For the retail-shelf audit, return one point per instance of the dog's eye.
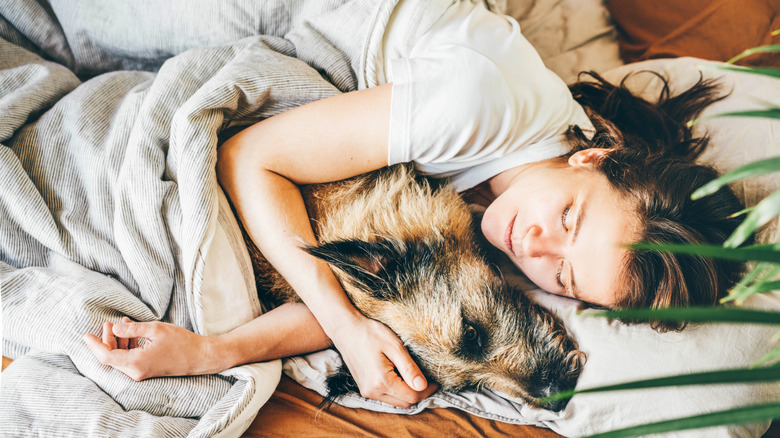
(471, 335)
(472, 341)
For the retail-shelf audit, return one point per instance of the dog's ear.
(368, 265)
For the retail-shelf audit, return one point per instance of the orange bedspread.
(293, 411)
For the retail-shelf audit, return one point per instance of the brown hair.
(651, 162)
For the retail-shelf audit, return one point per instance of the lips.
(508, 235)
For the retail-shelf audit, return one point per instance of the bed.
(110, 207)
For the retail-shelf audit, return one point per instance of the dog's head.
(455, 314)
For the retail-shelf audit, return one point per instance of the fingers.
(129, 343)
(104, 353)
(394, 391)
(131, 329)
(393, 387)
(123, 342)
(406, 384)
(383, 368)
(98, 348)
(108, 335)
(118, 337)
(122, 360)
(398, 389)
(407, 369)
(112, 335)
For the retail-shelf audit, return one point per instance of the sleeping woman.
(569, 175)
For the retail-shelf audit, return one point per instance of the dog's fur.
(407, 256)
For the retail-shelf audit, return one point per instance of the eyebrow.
(577, 227)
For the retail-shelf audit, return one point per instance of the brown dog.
(407, 256)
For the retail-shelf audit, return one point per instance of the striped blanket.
(110, 205)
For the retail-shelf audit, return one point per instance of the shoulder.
(472, 48)
(451, 90)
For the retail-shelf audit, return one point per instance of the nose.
(536, 243)
(555, 388)
(557, 405)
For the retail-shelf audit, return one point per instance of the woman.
(498, 128)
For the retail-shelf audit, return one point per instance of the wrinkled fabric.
(110, 203)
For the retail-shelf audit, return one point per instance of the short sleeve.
(448, 107)
(472, 98)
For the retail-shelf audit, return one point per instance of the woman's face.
(564, 226)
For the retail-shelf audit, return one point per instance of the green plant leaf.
(760, 287)
(773, 354)
(759, 49)
(742, 212)
(749, 170)
(739, 291)
(757, 253)
(717, 314)
(763, 71)
(762, 213)
(738, 375)
(763, 285)
(771, 113)
(742, 415)
(768, 286)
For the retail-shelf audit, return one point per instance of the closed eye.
(564, 216)
(558, 276)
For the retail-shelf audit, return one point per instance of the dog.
(407, 255)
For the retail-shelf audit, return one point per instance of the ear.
(588, 157)
(366, 264)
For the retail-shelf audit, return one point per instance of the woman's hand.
(169, 350)
(380, 364)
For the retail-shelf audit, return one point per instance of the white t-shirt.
(471, 96)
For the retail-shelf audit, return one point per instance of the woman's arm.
(260, 168)
(170, 350)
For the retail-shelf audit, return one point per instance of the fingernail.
(419, 383)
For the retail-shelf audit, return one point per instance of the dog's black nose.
(555, 388)
(557, 405)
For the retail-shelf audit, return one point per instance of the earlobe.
(588, 156)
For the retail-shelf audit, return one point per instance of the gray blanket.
(109, 197)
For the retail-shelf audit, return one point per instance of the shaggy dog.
(407, 255)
